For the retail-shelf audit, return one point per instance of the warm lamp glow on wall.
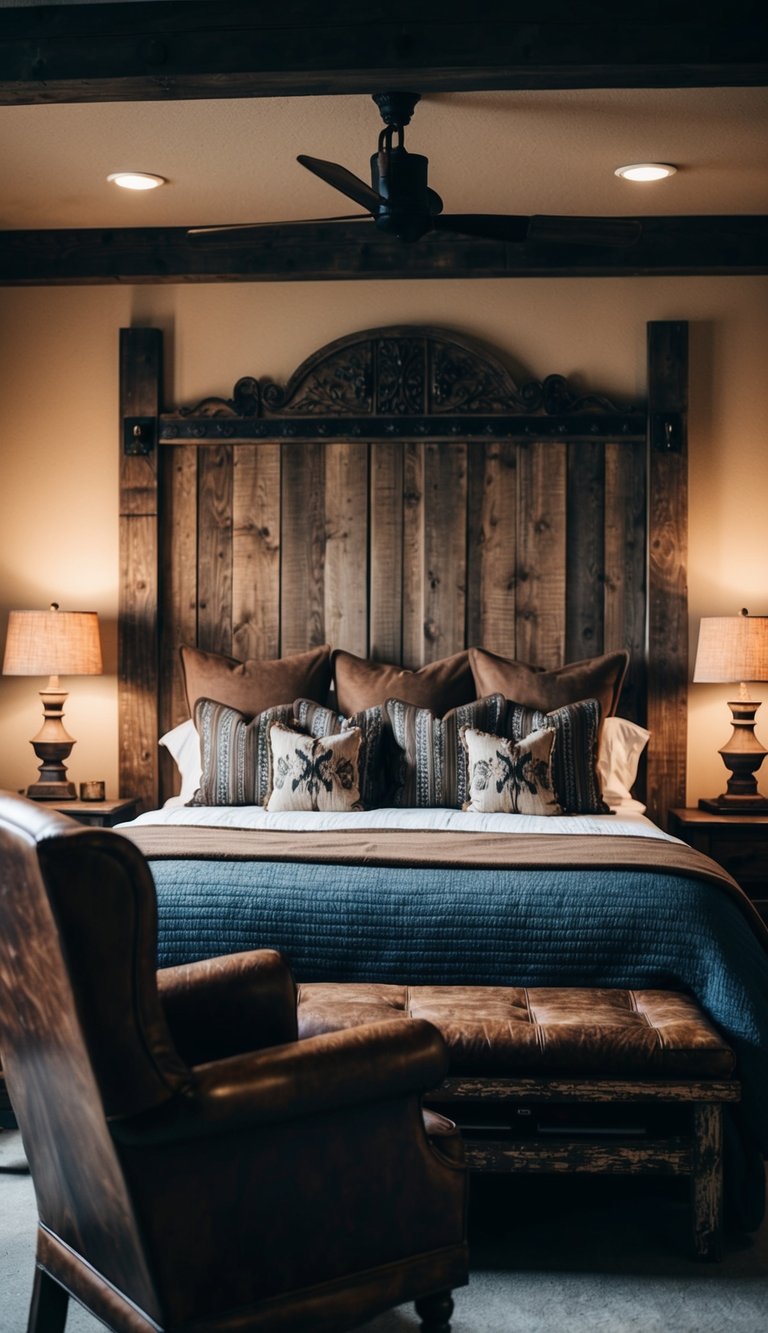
(52, 643)
(731, 649)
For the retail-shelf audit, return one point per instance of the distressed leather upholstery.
(197, 1168)
(564, 1030)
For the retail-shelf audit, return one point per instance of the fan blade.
(584, 231)
(291, 222)
(494, 226)
(343, 180)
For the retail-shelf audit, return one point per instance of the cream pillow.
(183, 744)
(618, 754)
(310, 773)
(509, 778)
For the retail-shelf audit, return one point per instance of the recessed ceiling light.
(136, 180)
(645, 171)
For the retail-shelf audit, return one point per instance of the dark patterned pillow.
(311, 773)
(235, 755)
(431, 760)
(509, 778)
(373, 725)
(574, 752)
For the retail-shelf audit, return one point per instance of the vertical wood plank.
(140, 395)
(178, 590)
(625, 567)
(138, 672)
(214, 615)
(667, 565)
(385, 617)
(256, 551)
(584, 551)
(492, 545)
(540, 607)
(302, 526)
(413, 556)
(346, 546)
(445, 549)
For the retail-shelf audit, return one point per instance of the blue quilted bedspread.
(485, 927)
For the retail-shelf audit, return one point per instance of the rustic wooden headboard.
(402, 497)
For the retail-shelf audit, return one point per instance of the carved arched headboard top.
(399, 376)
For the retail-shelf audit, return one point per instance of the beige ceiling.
(516, 152)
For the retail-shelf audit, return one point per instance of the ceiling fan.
(400, 202)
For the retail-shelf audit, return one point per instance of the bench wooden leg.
(48, 1308)
(435, 1312)
(707, 1180)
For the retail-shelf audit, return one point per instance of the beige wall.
(58, 437)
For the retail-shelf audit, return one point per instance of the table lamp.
(730, 649)
(52, 643)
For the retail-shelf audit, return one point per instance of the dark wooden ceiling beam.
(677, 245)
(234, 48)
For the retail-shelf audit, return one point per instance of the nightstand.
(739, 843)
(100, 814)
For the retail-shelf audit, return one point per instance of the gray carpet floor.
(587, 1255)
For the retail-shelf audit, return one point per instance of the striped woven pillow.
(431, 760)
(574, 752)
(373, 724)
(235, 754)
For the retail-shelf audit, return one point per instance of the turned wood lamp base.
(743, 754)
(52, 745)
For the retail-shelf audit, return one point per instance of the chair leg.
(435, 1312)
(48, 1308)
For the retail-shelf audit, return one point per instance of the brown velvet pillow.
(253, 686)
(598, 678)
(438, 686)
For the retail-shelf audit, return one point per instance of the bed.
(406, 499)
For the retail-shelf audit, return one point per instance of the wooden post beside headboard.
(137, 640)
(667, 566)
(402, 497)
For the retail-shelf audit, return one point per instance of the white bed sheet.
(440, 820)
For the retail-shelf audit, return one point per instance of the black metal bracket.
(396, 107)
(666, 432)
(139, 435)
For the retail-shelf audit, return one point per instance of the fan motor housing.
(400, 178)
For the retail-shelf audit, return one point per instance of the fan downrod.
(396, 107)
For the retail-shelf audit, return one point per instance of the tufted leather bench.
(568, 1078)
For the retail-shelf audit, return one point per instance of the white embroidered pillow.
(314, 773)
(509, 778)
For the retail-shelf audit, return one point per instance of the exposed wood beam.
(674, 245)
(166, 50)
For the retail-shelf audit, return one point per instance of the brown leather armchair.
(196, 1167)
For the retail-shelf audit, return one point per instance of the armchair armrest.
(335, 1071)
(306, 1163)
(221, 1007)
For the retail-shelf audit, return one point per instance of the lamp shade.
(52, 643)
(732, 648)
